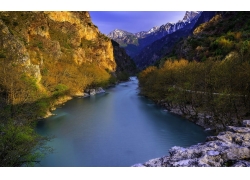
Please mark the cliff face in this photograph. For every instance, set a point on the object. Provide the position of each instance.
(46, 55)
(30, 38)
(55, 48)
(124, 63)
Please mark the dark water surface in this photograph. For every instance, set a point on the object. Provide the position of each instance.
(117, 128)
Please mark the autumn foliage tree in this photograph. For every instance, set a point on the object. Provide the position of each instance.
(219, 89)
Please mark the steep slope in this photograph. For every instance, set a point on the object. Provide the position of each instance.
(134, 43)
(52, 34)
(158, 49)
(206, 78)
(125, 65)
(45, 58)
(46, 55)
(225, 33)
(57, 53)
(44, 42)
(210, 88)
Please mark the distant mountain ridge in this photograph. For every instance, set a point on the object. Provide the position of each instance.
(135, 42)
(157, 50)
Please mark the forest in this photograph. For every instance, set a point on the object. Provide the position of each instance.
(219, 90)
(206, 74)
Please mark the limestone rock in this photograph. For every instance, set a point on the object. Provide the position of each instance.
(242, 164)
(138, 165)
(35, 38)
(92, 92)
(246, 123)
(229, 146)
(238, 129)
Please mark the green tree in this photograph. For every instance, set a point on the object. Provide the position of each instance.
(20, 145)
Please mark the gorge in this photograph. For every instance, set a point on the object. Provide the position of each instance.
(114, 129)
(197, 68)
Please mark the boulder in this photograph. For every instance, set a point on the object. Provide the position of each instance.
(246, 123)
(238, 129)
(92, 92)
(221, 150)
(242, 164)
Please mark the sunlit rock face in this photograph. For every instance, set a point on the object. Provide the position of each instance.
(229, 148)
(35, 38)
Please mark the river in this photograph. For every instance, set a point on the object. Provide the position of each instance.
(118, 128)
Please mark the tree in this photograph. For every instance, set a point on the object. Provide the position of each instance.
(20, 145)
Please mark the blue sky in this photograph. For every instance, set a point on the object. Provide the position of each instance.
(133, 21)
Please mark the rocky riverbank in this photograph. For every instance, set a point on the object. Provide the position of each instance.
(229, 148)
(201, 118)
(91, 92)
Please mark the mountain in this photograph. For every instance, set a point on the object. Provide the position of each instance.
(204, 75)
(56, 53)
(125, 65)
(45, 59)
(226, 32)
(165, 46)
(135, 42)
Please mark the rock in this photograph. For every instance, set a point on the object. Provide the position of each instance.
(238, 129)
(246, 123)
(227, 147)
(209, 129)
(92, 92)
(138, 165)
(99, 90)
(242, 164)
(213, 153)
(157, 162)
(211, 138)
(235, 153)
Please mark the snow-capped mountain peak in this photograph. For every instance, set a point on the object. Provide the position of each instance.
(141, 39)
(117, 33)
(190, 15)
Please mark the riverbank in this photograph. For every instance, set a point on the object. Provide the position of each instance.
(202, 119)
(207, 120)
(99, 127)
(86, 93)
(230, 148)
(63, 99)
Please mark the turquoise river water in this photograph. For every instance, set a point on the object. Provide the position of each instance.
(118, 128)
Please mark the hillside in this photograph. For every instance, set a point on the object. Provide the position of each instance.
(206, 76)
(125, 65)
(214, 40)
(46, 57)
(156, 51)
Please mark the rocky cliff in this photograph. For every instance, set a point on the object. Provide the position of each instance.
(125, 65)
(229, 148)
(46, 55)
(32, 38)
